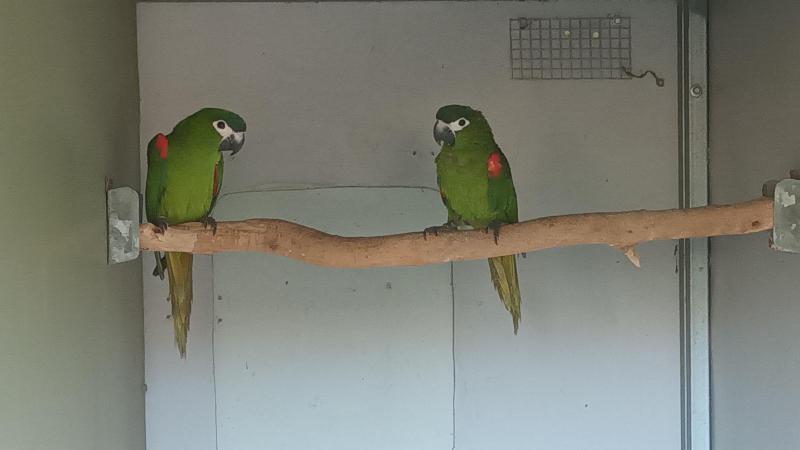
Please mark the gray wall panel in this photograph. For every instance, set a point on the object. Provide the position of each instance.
(70, 325)
(345, 93)
(755, 103)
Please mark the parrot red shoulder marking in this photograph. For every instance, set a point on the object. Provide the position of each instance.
(494, 165)
(162, 144)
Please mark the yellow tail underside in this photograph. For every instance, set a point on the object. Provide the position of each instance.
(179, 267)
(504, 276)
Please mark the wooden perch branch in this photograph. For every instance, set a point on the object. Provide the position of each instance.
(622, 230)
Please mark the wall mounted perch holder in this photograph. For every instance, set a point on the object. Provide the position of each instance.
(123, 218)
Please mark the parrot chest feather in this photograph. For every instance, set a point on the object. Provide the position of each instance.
(464, 182)
(189, 192)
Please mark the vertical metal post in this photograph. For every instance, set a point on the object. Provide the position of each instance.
(693, 253)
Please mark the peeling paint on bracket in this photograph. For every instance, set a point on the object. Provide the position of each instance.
(786, 213)
(123, 213)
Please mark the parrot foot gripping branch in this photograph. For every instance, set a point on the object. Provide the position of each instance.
(622, 230)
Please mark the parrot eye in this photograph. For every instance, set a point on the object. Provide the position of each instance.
(221, 125)
(459, 124)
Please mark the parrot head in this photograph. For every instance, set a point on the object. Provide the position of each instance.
(224, 128)
(459, 122)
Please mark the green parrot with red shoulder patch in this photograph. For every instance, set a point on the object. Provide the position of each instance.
(477, 189)
(184, 177)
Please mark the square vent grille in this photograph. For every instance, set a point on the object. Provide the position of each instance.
(576, 48)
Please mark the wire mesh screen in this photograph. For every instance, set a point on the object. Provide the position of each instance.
(570, 48)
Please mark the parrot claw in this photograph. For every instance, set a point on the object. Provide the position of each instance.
(161, 264)
(495, 227)
(449, 226)
(209, 221)
(161, 225)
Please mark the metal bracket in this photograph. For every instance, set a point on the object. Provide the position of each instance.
(786, 216)
(693, 253)
(124, 216)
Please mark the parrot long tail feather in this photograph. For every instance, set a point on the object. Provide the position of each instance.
(504, 276)
(179, 268)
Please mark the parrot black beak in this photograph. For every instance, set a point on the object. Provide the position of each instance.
(443, 133)
(232, 143)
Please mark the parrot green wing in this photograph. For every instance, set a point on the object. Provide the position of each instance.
(156, 178)
(219, 171)
(155, 188)
(502, 196)
(503, 202)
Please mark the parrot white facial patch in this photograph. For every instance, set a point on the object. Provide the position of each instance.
(222, 128)
(458, 125)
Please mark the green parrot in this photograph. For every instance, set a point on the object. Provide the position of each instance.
(476, 187)
(184, 176)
